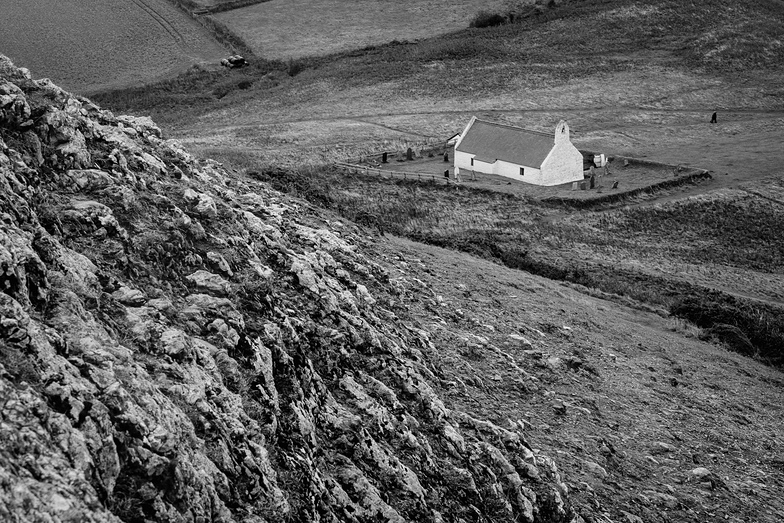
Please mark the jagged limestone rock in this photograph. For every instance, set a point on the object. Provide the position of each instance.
(138, 386)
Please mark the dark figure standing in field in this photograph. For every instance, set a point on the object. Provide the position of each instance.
(713, 118)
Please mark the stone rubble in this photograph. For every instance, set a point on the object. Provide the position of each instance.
(136, 384)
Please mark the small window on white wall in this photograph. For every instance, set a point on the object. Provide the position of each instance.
(522, 171)
(472, 161)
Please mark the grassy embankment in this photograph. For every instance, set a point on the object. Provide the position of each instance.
(521, 233)
(636, 253)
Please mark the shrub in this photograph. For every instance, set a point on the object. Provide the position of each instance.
(295, 67)
(738, 323)
(487, 19)
(221, 91)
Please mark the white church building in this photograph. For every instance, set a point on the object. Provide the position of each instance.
(517, 153)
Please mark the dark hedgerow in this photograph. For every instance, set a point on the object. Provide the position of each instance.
(487, 19)
(762, 325)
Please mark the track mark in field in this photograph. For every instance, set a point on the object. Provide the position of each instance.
(368, 118)
(162, 21)
(308, 120)
(361, 120)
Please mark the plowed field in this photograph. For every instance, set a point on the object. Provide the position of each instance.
(102, 44)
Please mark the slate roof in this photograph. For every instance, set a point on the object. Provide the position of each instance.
(494, 141)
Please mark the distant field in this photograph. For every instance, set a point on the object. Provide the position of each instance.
(103, 44)
(283, 29)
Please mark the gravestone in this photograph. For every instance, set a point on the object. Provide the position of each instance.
(582, 186)
(409, 154)
(384, 158)
(575, 185)
(592, 181)
(615, 184)
(446, 174)
(446, 156)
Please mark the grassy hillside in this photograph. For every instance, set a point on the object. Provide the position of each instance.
(641, 77)
(712, 261)
(574, 40)
(287, 29)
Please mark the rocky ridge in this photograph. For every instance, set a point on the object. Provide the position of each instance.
(181, 344)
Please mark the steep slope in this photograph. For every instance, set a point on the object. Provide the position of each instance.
(646, 421)
(182, 345)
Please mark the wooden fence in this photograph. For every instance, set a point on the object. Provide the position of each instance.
(366, 169)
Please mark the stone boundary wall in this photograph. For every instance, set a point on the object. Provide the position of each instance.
(689, 176)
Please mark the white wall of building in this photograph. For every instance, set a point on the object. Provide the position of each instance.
(564, 164)
(512, 170)
(463, 161)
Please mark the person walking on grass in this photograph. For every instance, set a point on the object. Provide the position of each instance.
(713, 118)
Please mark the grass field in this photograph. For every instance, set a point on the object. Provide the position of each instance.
(630, 177)
(283, 29)
(721, 250)
(639, 81)
(104, 44)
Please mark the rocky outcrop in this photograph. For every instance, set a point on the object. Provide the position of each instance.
(177, 344)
